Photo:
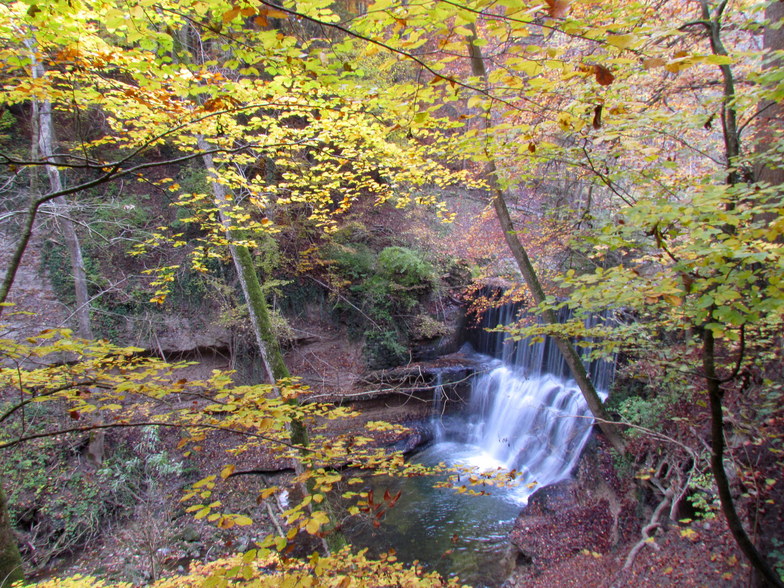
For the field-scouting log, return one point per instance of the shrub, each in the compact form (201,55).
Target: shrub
(406,267)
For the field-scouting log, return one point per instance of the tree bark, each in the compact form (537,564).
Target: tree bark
(715,394)
(573,360)
(61,209)
(269,350)
(10,560)
(732,151)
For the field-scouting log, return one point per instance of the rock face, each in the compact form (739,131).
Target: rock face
(593,513)
(452,314)
(177,334)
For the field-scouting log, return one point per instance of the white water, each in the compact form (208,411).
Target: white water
(536,425)
(524,414)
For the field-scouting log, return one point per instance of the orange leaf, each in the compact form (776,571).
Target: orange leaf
(230,15)
(653,62)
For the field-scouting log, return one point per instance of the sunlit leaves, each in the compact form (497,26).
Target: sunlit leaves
(261,568)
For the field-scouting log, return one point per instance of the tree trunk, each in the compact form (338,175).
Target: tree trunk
(732,151)
(45,131)
(568,350)
(268,346)
(269,350)
(715,394)
(10,560)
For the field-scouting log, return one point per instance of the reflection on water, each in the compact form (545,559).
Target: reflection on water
(452,533)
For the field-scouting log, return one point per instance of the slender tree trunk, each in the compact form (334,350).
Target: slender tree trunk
(732,151)
(269,350)
(45,131)
(10,560)
(566,347)
(43,125)
(771,112)
(715,394)
(268,346)
(43,147)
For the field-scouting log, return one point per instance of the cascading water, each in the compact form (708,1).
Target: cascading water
(524,413)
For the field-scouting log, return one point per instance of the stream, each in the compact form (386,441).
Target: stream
(523,414)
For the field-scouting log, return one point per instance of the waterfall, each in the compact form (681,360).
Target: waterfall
(539,358)
(439,397)
(525,412)
(536,425)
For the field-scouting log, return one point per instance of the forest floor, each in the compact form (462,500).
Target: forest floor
(708,558)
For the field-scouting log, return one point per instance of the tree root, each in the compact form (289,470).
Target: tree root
(647,530)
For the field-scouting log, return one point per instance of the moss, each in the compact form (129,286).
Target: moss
(259,310)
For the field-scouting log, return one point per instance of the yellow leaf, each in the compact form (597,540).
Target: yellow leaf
(689,533)
(249,556)
(227,471)
(719,59)
(313,526)
(622,41)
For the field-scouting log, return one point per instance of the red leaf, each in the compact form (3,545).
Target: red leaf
(395,498)
(603,75)
(557,8)
(597,116)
